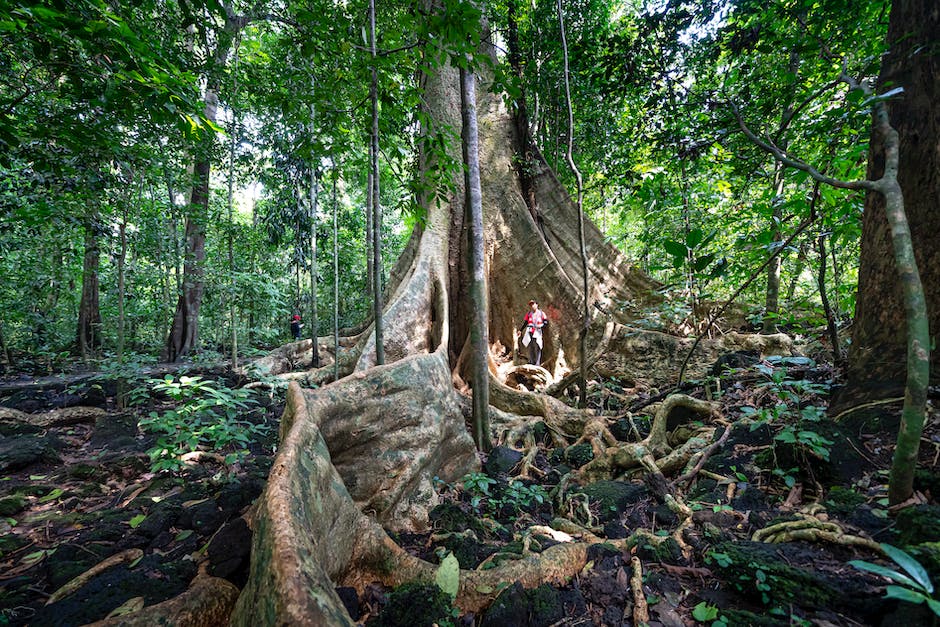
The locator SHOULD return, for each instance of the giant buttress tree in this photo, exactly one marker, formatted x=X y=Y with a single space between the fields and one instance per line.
x=878 y=352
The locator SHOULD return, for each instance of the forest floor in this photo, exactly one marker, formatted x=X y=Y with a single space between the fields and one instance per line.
x=73 y=495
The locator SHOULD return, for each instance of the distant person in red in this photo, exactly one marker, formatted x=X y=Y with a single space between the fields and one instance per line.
x=295 y=326
x=531 y=331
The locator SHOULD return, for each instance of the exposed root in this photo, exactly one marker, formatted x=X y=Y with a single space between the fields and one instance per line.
x=811 y=528
x=701 y=458
x=207 y=603
x=598 y=436
x=624 y=457
x=641 y=612
x=118 y=558
x=63 y=417
x=527 y=468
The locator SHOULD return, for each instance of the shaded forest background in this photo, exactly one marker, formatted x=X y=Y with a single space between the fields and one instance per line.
x=105 y=124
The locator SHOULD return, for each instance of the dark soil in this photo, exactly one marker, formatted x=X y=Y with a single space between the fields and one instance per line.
x=70 y=497
x=741 y=581
x=76 y=495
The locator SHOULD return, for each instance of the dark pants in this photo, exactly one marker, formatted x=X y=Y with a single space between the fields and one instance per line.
x=535 y=353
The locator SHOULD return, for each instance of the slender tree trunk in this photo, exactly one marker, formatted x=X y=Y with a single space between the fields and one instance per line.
x=122 y=257
x=585 y=312
x=772 y=294
x=479 y=310
x=231 y=218
x=4 y=349
x=314 y=280
x=335 y=273
x=184 y=331
x=376 y=202
x=370 y=275
x=831 y=327
x=89 y=313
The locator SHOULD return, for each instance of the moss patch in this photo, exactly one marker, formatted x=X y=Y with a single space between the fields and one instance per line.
x=755 y=570
x=416 y=605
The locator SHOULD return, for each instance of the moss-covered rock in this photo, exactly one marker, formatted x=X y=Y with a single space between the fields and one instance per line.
x=843 y=501
x=755 y=570
x=516 y=606
x=415 y=605
x=469 y=552
x=740 y=618
x=579 y=454
x=545 y=606
x=612 y=497
x=919 y=524
x=666 y=552
x=12 y=505
x=450 y=517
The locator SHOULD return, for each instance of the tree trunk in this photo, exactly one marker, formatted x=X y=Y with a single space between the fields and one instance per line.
x=89 y=313
x=184 y=331
x=479 y=333
x=314 y=280
x=377 y=296
x=878 y=353
x=585 y=292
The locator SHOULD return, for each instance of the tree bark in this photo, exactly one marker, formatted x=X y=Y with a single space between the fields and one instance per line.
x=878 y=353
x=585 y=292
x=89 y=313
x=314 y=199
x=479 y=317
x=184 y=331
x=379 y=323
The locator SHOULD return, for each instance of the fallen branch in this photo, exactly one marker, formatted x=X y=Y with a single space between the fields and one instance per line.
x=118 y=558
x=641 y=612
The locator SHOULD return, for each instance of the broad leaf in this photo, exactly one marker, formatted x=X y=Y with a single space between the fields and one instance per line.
x=448 y=575
x=675 y=248
x=909 y=564
x=904 y=594
x=885 y=572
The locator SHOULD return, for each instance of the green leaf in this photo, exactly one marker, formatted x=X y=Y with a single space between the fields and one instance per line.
x=136 y=520
x=934 y=605
x=904 y=594
x=704 y=612
x=885 y=572
x=447 y=577
x=52 y=495
x=911 y=565
x=694 y=237
x=675 y=248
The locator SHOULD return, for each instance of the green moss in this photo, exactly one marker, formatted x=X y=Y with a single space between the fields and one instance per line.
x=84 y=472
x=450 y=517
x=739 y=618
x=612 y=497
x=545 y=607
x=416 y=605
x=754 y=569
x=579 y=455
x=843 y=501
x=666 y=552
x=12 y=505
x=919 y=524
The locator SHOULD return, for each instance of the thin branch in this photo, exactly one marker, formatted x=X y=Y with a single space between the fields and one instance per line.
x=799 y=165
